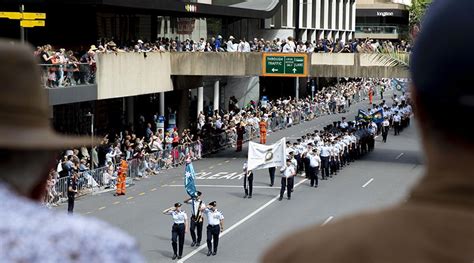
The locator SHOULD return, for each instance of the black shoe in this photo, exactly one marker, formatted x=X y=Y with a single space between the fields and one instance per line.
x=315 y=186
x=209 y=253
x=214 y=253
x=250 y=196
x=281 y=198
x=198 y=244
x=245 y=196
x=174 y=257
x=193 y=244
x=289 y=197
x=271 y=185
x=179 y=257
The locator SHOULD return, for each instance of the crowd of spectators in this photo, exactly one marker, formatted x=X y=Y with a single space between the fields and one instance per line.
x=288 y=45
x=68 y=68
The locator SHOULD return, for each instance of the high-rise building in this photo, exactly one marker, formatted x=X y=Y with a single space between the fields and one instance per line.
x=382 y=19
x=313 y=19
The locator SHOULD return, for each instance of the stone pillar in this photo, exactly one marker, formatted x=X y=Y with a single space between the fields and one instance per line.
x=297 y=88
x=162 y=103
x=200 y=102
x=216 y=95
x=130 y=110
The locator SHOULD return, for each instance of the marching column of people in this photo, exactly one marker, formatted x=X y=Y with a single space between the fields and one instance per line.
x=328 y=150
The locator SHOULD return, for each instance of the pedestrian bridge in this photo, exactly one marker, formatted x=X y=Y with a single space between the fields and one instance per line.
x=130 y=74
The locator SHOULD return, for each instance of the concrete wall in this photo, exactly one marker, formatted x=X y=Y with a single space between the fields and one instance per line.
x=130 y=74
x=353 y=65
x=216 y=64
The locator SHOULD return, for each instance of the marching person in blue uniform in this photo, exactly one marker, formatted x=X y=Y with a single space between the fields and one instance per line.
x=197 y=204
x=215 y=220
x=179 y=228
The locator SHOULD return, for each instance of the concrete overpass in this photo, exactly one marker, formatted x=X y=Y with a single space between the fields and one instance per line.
x=131 y=74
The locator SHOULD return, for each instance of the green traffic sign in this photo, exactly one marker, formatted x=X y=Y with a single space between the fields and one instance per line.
x=290 y=65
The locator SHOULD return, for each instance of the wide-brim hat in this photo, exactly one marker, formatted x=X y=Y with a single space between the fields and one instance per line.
x=24 y=109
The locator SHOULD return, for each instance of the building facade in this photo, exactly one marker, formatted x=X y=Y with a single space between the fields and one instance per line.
x=310 y=20
x=382 y=19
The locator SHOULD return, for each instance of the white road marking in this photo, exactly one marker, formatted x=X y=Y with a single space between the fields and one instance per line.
x=227 y=161
x=328 y=220
x=370 y=181
x=226 y=186
x=236 y=224
x=399 y=156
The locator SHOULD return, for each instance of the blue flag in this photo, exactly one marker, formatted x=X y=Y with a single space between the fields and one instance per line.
x=378 y=117
x=189 y=176
x=363 y=116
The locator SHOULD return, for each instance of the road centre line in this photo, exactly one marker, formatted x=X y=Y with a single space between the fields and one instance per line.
x=153 y=189
x=237 y=224
x=368 y=182
x=116 y=202
x=226 y=186
x=328 y=220
x=101 y=208
x=399 y=156
x=130 y=198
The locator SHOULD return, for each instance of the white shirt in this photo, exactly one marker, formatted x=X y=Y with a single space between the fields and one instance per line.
x=213 y=217
x=325 y=151
x=314 y=160
x=288 y=171
x=396 y=118
x=178 y=217
x=289 y=48
x=195 y=206
x=32 y=233
x=385 y=123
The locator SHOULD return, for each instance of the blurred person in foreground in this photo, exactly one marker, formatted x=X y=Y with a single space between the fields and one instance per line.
x=30 y=232
x=436 y=223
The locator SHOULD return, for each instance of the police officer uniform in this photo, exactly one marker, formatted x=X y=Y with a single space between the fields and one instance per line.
x=248 y=177
x=288 y=172
x=314 y=164
x=215 y=220
x=178 y=229
x=325 y=154
x=197 y=204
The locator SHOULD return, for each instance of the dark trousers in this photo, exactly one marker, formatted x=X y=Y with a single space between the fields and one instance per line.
x=70 y=203
x=325 y=167
x=384 y=134
x=313 y=171
x=249 y=178
x=177 y=232
x=196 y=227
x=271 y=170
x=288 y=184
x=306 y=167
x=213 y=235
x=396 y=127
x=334 y=166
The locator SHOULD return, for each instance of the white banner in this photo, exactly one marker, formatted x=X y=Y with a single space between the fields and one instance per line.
x=264 y=156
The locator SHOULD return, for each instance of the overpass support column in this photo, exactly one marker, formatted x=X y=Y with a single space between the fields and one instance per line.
x=130 y=109
x=162 y=103
x=216 y=95
x=200 y=102
x=297 y=88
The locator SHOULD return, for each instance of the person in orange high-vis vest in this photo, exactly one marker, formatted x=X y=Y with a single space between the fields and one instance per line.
x=121 y=177
x=263 y=130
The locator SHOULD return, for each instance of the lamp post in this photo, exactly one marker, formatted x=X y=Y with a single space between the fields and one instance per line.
x=91 y=115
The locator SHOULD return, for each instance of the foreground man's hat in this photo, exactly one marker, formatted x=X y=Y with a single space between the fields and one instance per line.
x=24 y=109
